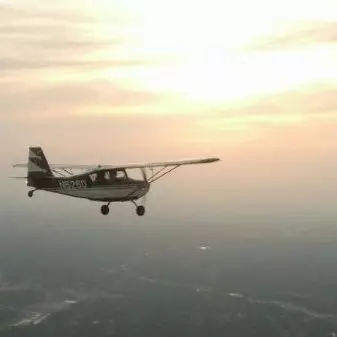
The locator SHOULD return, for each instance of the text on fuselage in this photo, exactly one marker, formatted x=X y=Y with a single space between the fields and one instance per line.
x=73 y=184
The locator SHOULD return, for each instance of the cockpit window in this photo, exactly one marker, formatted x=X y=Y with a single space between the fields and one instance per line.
x=120 y=174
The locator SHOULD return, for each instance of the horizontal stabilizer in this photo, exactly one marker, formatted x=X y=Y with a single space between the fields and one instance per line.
x=20 y=165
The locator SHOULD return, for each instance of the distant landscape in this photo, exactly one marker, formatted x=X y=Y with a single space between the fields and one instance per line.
x=237 y=287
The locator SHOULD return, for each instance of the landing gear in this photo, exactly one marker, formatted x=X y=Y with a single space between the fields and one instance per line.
x=105 y=209
x=140 y=210
x=30 y=193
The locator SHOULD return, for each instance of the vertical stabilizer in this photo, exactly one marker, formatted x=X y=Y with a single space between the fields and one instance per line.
x=38 y=167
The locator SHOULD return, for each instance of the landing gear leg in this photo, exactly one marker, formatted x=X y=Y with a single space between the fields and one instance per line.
x=140 y=210
x=105 y=209
x=31 y=193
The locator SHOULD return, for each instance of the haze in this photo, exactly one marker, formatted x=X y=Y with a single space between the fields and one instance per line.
x=253 y=83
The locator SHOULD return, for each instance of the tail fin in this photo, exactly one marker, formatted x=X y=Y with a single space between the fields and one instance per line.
x=38 y=166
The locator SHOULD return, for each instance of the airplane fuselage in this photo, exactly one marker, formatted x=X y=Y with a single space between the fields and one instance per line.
x=91 y=187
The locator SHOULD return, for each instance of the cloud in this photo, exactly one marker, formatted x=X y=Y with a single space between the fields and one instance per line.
x=41 y=33
x=34 y=10
x=10 y=64
x=41 y=41
x=259 y=117
x=311 y=100
x=305 y=35
x=53 y=37
x=65 y=99
x=56 y=37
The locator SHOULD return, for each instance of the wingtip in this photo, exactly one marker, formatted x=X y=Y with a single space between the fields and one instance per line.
x=211 y=160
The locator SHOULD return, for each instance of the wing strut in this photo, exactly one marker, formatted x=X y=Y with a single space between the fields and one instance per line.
x=161 y=173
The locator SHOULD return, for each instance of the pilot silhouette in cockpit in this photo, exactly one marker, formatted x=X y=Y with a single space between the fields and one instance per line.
x=113 y=175
x=100 y=177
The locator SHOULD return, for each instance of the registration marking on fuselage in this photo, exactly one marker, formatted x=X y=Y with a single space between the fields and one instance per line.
x=73 y=185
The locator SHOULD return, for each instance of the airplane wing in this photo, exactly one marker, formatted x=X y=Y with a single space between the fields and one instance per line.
x=164 y=164
x=129 y=166
x=161 y=168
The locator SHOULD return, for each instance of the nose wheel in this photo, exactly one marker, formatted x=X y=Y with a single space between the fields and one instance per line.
x=30 y=193
x=105 y=209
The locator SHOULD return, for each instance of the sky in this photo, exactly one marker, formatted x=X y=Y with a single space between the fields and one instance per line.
x=251 y=82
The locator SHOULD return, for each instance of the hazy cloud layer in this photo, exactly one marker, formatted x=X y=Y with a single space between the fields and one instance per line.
x=11 y=64
x=39 y=107
x=42 y=41
x=33 y=37
x=262 y=117
x=314 y=99
x=65 y=99
x=304 y=35
x=31 y=10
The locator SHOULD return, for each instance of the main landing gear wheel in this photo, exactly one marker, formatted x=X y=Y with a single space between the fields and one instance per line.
x=140 y=210
x=105 y=210
x=30 y=194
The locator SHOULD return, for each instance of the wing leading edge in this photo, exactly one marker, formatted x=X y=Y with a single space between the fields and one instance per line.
x=167 y=163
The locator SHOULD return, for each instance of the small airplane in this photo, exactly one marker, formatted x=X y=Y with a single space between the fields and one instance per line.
x=104 y=183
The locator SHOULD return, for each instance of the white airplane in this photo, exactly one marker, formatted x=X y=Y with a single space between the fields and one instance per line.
x=104 y=183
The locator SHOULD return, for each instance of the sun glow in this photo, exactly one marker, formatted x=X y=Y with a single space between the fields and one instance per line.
x=204 y=48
